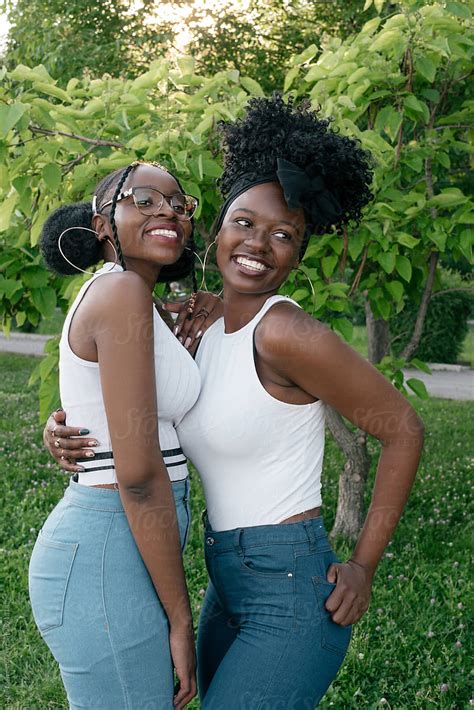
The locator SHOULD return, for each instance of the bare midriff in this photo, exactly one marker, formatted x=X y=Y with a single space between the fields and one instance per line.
x=306 y=515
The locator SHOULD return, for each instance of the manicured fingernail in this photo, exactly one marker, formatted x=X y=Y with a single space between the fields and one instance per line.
x=90 y=454
x=176 y=329
x=199 y=334
x=188 y=342
x=180 y=338
x=80 y=470
x=59 y=409
x=92 y=443
x=84 y=431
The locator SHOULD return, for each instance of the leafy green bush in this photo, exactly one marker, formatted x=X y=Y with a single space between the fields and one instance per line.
x=444 y=331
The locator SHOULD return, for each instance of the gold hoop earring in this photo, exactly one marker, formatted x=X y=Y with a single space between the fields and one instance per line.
x=69 y=229
x=298 y=268
x=203 y=280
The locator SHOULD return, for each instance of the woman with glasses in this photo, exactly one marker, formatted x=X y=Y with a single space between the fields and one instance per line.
x=276 y=619
x=106 y=578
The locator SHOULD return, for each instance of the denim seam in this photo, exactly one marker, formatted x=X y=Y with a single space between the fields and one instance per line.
x=277 y=665
x=127 y=704
x=97 y=508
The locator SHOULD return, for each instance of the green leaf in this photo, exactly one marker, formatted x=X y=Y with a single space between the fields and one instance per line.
x=449 y=197
x=403 y=267
x=9 y=286
x=51 y=174
x=356 y=244
x=300 y=294
x=416 y=108
x=6 y=210
x=386 y=40
x=456 y=8
x=406 y=239
x=329 y=264
x=367 y=4
x=389 y=120
x=10 y=114
x=420 y=365
x=358 y=74
x=387 y=261
x=378 y=4
x=52 y=90
x=45 y=300
x=290 y=77
x=418 y=387
x=252 y=86
x=306 y=55
x=35 y=277
x=186 y=65
x=344 y=327
x=426 y=67
x=395 y=289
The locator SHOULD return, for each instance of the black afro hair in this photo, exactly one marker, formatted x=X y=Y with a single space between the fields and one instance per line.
x=273 y=129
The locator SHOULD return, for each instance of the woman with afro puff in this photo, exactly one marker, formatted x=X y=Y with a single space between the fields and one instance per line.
x=278 y=612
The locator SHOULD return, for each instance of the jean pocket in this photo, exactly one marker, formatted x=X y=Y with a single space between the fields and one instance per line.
x=334 y=637
x=48 y=577
x=268 y=561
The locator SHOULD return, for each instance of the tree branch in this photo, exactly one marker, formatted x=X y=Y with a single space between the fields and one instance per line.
x=67 y=167
x=469 y=289
x=411 y=346
x=358 y=275
x=84 y=139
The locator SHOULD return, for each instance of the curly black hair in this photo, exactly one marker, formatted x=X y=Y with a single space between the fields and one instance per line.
x=273 y=129
x=84 y=249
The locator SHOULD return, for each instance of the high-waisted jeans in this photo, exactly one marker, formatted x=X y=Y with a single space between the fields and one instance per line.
x=266 y=641
x=96 y=607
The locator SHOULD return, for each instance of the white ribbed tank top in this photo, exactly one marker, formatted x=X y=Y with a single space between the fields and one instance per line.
x=259 y=459
x=177 y=384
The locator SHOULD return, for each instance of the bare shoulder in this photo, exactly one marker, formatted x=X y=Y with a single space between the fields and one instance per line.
x=286 y=329
x=120 y=292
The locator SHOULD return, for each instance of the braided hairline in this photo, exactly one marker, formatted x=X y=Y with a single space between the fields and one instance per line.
x=126 y=172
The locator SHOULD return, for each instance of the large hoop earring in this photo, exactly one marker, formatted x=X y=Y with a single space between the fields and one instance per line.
x=298 y=268
x=206 y=254
x=202 y=262
x=69 y=229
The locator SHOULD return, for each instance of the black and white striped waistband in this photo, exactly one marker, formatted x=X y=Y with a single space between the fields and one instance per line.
x=171 y=457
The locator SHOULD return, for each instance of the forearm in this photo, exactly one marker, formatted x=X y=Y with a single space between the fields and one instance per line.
x=396 y=472
x=151 y=514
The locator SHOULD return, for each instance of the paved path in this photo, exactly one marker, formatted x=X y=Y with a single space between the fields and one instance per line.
x=447 y=384
x=456 y=382
x=23 y=343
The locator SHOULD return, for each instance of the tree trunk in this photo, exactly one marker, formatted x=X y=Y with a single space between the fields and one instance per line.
x=350 y=512
x=378 y=335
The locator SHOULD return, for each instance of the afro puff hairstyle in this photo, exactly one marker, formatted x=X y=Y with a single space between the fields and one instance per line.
x=273 y=129
x=83 y=248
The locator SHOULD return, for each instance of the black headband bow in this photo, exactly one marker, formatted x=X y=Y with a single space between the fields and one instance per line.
x=320 y=205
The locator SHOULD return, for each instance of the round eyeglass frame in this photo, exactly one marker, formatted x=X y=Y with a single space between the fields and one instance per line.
x=131 y=193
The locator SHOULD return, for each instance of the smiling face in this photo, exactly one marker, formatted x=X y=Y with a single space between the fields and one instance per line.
x=156 y=240
x=259 y=241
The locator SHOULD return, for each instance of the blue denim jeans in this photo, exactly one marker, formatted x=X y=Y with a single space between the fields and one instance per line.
x=266 y=641
x=96 y=607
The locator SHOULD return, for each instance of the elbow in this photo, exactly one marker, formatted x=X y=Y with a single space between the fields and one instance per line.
x=139 y=488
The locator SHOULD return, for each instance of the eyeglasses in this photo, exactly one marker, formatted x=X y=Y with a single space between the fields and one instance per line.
x=149 y=202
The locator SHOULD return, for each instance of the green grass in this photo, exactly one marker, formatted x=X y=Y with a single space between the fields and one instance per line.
x=414 y=637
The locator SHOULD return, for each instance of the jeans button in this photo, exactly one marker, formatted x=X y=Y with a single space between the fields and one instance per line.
x=210 y=541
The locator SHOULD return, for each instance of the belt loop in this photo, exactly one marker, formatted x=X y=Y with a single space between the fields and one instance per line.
x=237 y=542
x=310 y=534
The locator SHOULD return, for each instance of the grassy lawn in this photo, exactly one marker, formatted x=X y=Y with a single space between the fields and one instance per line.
x=411 y=648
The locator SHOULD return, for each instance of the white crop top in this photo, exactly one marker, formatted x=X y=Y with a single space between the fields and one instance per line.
x=177 y=384
x=259 y=459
